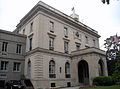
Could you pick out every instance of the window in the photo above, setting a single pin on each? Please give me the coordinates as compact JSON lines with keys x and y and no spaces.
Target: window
{"x":65,"y":32}
{"x":16,"y":66}
{"x":65,"y":46}
{"x":68,"y":84}
{"x":52,"y":69}
{"x":18,"y":49}
{"x":86,"y":39}
{"x":30,"y":44}
{"x":60,"y":69}
{"x":23,"y":31}
{"x":94,"y":43}
{"x":52,"y":84}
{"x":51,"y":26}
{"x":77,"y":47}
{"x":31,"y":27}
{"x":4,"y":46}
{"x":4,"y":65}
{"x":67,"y":70}
{"x":51,"y":43}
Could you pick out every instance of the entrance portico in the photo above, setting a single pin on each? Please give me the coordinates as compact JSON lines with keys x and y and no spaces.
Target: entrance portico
{"x":87,"y":64}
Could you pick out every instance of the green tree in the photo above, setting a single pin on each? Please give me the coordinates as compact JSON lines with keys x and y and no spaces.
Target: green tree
{"x":116,"y":72}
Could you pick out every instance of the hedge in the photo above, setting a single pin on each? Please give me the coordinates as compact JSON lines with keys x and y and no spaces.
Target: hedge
{"x":104,"y":81}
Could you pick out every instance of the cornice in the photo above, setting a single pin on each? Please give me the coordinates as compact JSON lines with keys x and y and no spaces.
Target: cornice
{"x":73,"y":54}
{"x":38,"y":49}
{"x":88,"y":51}
{"x":40,"y":6}
{"x":12,"y":33}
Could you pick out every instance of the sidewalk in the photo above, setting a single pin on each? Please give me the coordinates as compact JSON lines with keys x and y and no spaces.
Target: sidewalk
{"x":77,"y":87}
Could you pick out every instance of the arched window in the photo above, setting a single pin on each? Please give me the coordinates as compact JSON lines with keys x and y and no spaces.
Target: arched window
{"x":100,"y":68}
{"x":52,"y":69}
{"x":67,"y":70}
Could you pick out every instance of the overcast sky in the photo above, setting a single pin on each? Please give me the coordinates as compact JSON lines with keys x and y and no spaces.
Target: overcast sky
{"x":101,"y":17}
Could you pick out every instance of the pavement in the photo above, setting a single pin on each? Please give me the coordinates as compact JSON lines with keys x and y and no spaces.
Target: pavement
{"x":77,"y":87}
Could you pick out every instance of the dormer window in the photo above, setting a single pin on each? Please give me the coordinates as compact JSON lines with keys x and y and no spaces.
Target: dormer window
{"x":65,"y":32}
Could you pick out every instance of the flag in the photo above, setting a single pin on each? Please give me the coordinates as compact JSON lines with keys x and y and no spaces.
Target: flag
{"x":116,"y":39}
{"x":73,"y":9}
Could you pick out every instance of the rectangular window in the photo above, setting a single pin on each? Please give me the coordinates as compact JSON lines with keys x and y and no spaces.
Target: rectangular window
{"x":16,"y":66}
{"x":4,"y":65}
{"x":51,"y":26}
{"x":4,"y":46}
{"x":77,"y":47}
{"x":31,"y":27}
{"x":86,"y":39}
{"x":65,"y":46}
{"x":30,"y":44}
{"x":51,"y":43}
{"x":65,"y":32}
{"x":94,"y":43}
{"x":53,"y":85}
{"x":23,"y":31}
{"x":18,"y":49}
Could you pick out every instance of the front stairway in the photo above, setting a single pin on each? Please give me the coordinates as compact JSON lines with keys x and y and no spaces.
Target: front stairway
{"x":27,"y":83}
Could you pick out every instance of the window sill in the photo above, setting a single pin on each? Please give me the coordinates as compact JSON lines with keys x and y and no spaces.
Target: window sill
{"x":16,"y":71}
{"x":3,"y":70}
{"x":67,"y":39}
{"x":51,"y":34}
{"x":31,"y":34}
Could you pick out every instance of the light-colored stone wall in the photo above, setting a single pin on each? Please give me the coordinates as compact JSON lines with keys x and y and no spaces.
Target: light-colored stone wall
{"x":41,"y":33}
{"x":11,"y":56}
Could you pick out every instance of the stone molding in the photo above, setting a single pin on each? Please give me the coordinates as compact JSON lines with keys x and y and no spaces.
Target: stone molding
{"x":73,"y":53}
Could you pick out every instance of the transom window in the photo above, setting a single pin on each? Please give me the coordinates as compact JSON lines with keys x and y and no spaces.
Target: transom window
{"x":4,"y":65}
{"x":16,"y":66}
{"x":52,"y":69}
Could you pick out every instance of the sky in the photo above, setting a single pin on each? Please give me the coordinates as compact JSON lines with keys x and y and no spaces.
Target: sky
{"x":101,"y":17}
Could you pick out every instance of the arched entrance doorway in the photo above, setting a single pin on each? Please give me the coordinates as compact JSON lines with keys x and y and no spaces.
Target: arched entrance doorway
{"x":83,"y":72}
{"x":101,"y":68}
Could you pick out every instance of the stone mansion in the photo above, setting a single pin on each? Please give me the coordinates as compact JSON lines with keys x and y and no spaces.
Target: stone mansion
{"x":51,"y":49}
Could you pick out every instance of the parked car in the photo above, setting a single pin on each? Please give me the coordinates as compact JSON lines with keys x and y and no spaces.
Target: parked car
{"x":14,"y":84}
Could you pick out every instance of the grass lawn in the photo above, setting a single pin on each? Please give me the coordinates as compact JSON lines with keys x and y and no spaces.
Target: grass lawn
{"x":105,"y":87}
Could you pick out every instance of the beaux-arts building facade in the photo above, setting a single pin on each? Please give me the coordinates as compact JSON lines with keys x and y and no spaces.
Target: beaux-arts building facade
{"x":57,"y":49}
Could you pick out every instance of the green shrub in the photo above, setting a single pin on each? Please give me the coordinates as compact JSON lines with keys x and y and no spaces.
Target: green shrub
{"x":104,"y":81}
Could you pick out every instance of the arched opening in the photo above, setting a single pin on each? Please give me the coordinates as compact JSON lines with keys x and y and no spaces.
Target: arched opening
{"x":29,"y":69}
{"x":100,"y":68}
{"x":83,"y":72}
{"x":52,"y":69}
{"x":67,"y":70}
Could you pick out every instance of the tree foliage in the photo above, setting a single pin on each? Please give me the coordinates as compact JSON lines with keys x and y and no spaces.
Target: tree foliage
{"x":106,"y":1}
{"x":116,"y":72}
